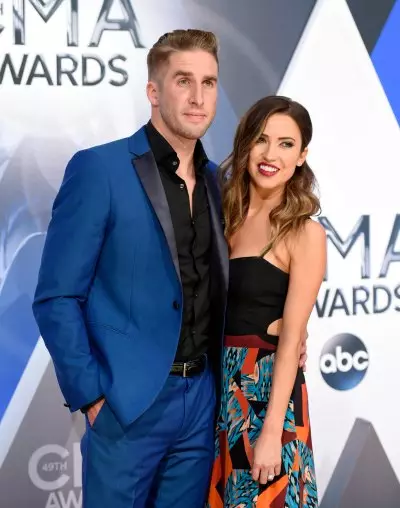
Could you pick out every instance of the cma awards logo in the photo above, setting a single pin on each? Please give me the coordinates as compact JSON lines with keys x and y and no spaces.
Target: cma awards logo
{"x":344,"y":361}
{"x":67,"y":68}
{"x":375,"y":294}
{"x":54,"y":469}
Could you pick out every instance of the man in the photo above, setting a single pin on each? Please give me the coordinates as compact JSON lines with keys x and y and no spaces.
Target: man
{"x":134,"y":265}
{"x":132,"y":291}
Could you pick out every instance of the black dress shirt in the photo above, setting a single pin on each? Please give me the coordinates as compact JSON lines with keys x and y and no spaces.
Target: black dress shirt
{"x":193,"y":242}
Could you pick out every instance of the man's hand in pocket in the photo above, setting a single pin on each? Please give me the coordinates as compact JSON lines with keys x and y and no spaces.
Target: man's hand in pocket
{"x":94,"y":410}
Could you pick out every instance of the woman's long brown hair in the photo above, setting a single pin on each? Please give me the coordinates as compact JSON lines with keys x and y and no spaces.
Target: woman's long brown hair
{"x":299,"y":202}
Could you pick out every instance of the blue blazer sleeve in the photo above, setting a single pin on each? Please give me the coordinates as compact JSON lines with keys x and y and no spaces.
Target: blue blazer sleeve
{"x":74,"y":239}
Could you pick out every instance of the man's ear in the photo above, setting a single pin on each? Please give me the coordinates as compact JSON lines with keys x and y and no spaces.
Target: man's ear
{"x":152,"y":91}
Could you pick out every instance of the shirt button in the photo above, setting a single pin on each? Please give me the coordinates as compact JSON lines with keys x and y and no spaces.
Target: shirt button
{"x":193,"y":332}
{"x":174,"y":163}
{"x":176,"y":305}
{"x":182,"y":186}
{"x":196,"y":295}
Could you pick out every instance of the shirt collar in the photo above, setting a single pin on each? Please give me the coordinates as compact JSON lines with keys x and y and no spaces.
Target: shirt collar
{"x":164,"y":152}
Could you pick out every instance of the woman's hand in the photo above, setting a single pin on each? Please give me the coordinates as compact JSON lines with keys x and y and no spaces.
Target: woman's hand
{"x":267,"y":457}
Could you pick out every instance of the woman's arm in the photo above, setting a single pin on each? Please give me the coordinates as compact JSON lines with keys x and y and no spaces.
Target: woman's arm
{"x":307,"y":269}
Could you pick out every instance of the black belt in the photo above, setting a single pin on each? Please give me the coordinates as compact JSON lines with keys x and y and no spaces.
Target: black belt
{"x":190,"y":368}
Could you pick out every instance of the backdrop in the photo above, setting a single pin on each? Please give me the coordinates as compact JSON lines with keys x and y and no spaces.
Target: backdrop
{"x":73,"y":74}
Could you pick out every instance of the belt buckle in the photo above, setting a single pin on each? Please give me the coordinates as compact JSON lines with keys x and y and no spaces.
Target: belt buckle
{"x":185,"y":369}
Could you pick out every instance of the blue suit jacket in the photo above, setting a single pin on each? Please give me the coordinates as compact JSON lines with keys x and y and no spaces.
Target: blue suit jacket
{"x":109,"y":297}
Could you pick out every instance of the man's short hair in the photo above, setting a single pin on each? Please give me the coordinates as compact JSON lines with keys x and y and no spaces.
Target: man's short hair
{"x":179,"y":40}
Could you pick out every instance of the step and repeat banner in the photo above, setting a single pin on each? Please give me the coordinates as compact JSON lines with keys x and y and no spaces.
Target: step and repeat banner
{"x":73,"y":74}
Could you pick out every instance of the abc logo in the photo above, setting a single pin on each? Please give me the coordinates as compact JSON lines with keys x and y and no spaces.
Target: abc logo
{"x":344,"y":361}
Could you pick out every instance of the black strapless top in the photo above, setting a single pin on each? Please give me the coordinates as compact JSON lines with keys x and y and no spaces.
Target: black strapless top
{"x":256,"y":296}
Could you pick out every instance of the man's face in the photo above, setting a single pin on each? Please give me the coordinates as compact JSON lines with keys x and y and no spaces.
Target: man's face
{"x":184,"y":94}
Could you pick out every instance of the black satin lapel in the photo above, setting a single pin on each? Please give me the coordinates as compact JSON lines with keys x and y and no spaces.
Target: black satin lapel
{"x":217,"y":224}
{"x":147,"y":171}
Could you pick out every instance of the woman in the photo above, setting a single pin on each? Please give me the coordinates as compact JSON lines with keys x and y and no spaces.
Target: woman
{"x":278,"y":257}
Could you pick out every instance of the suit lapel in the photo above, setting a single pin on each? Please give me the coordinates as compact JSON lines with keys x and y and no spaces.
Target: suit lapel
{"x":217,"y":222}
{"x":149,"y":175}
{"x":146,"y":168}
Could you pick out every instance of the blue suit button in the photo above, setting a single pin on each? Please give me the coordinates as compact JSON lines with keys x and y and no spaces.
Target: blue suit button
{"x":176,"y":305}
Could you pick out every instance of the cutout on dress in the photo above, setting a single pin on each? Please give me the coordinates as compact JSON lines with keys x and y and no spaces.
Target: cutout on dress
{"x":275,"y":327}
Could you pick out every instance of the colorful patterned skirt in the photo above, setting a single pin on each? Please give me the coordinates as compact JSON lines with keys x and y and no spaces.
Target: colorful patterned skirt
{"x":247,"y":376}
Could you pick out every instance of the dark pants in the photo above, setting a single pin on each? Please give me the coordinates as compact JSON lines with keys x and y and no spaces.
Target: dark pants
{"x":163,"y":460}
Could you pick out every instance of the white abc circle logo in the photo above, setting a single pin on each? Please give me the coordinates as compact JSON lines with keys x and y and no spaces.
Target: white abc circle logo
{"x":344,"y":361}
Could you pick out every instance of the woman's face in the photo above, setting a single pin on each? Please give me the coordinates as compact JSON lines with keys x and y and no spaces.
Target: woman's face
{"x":275,"y":154}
